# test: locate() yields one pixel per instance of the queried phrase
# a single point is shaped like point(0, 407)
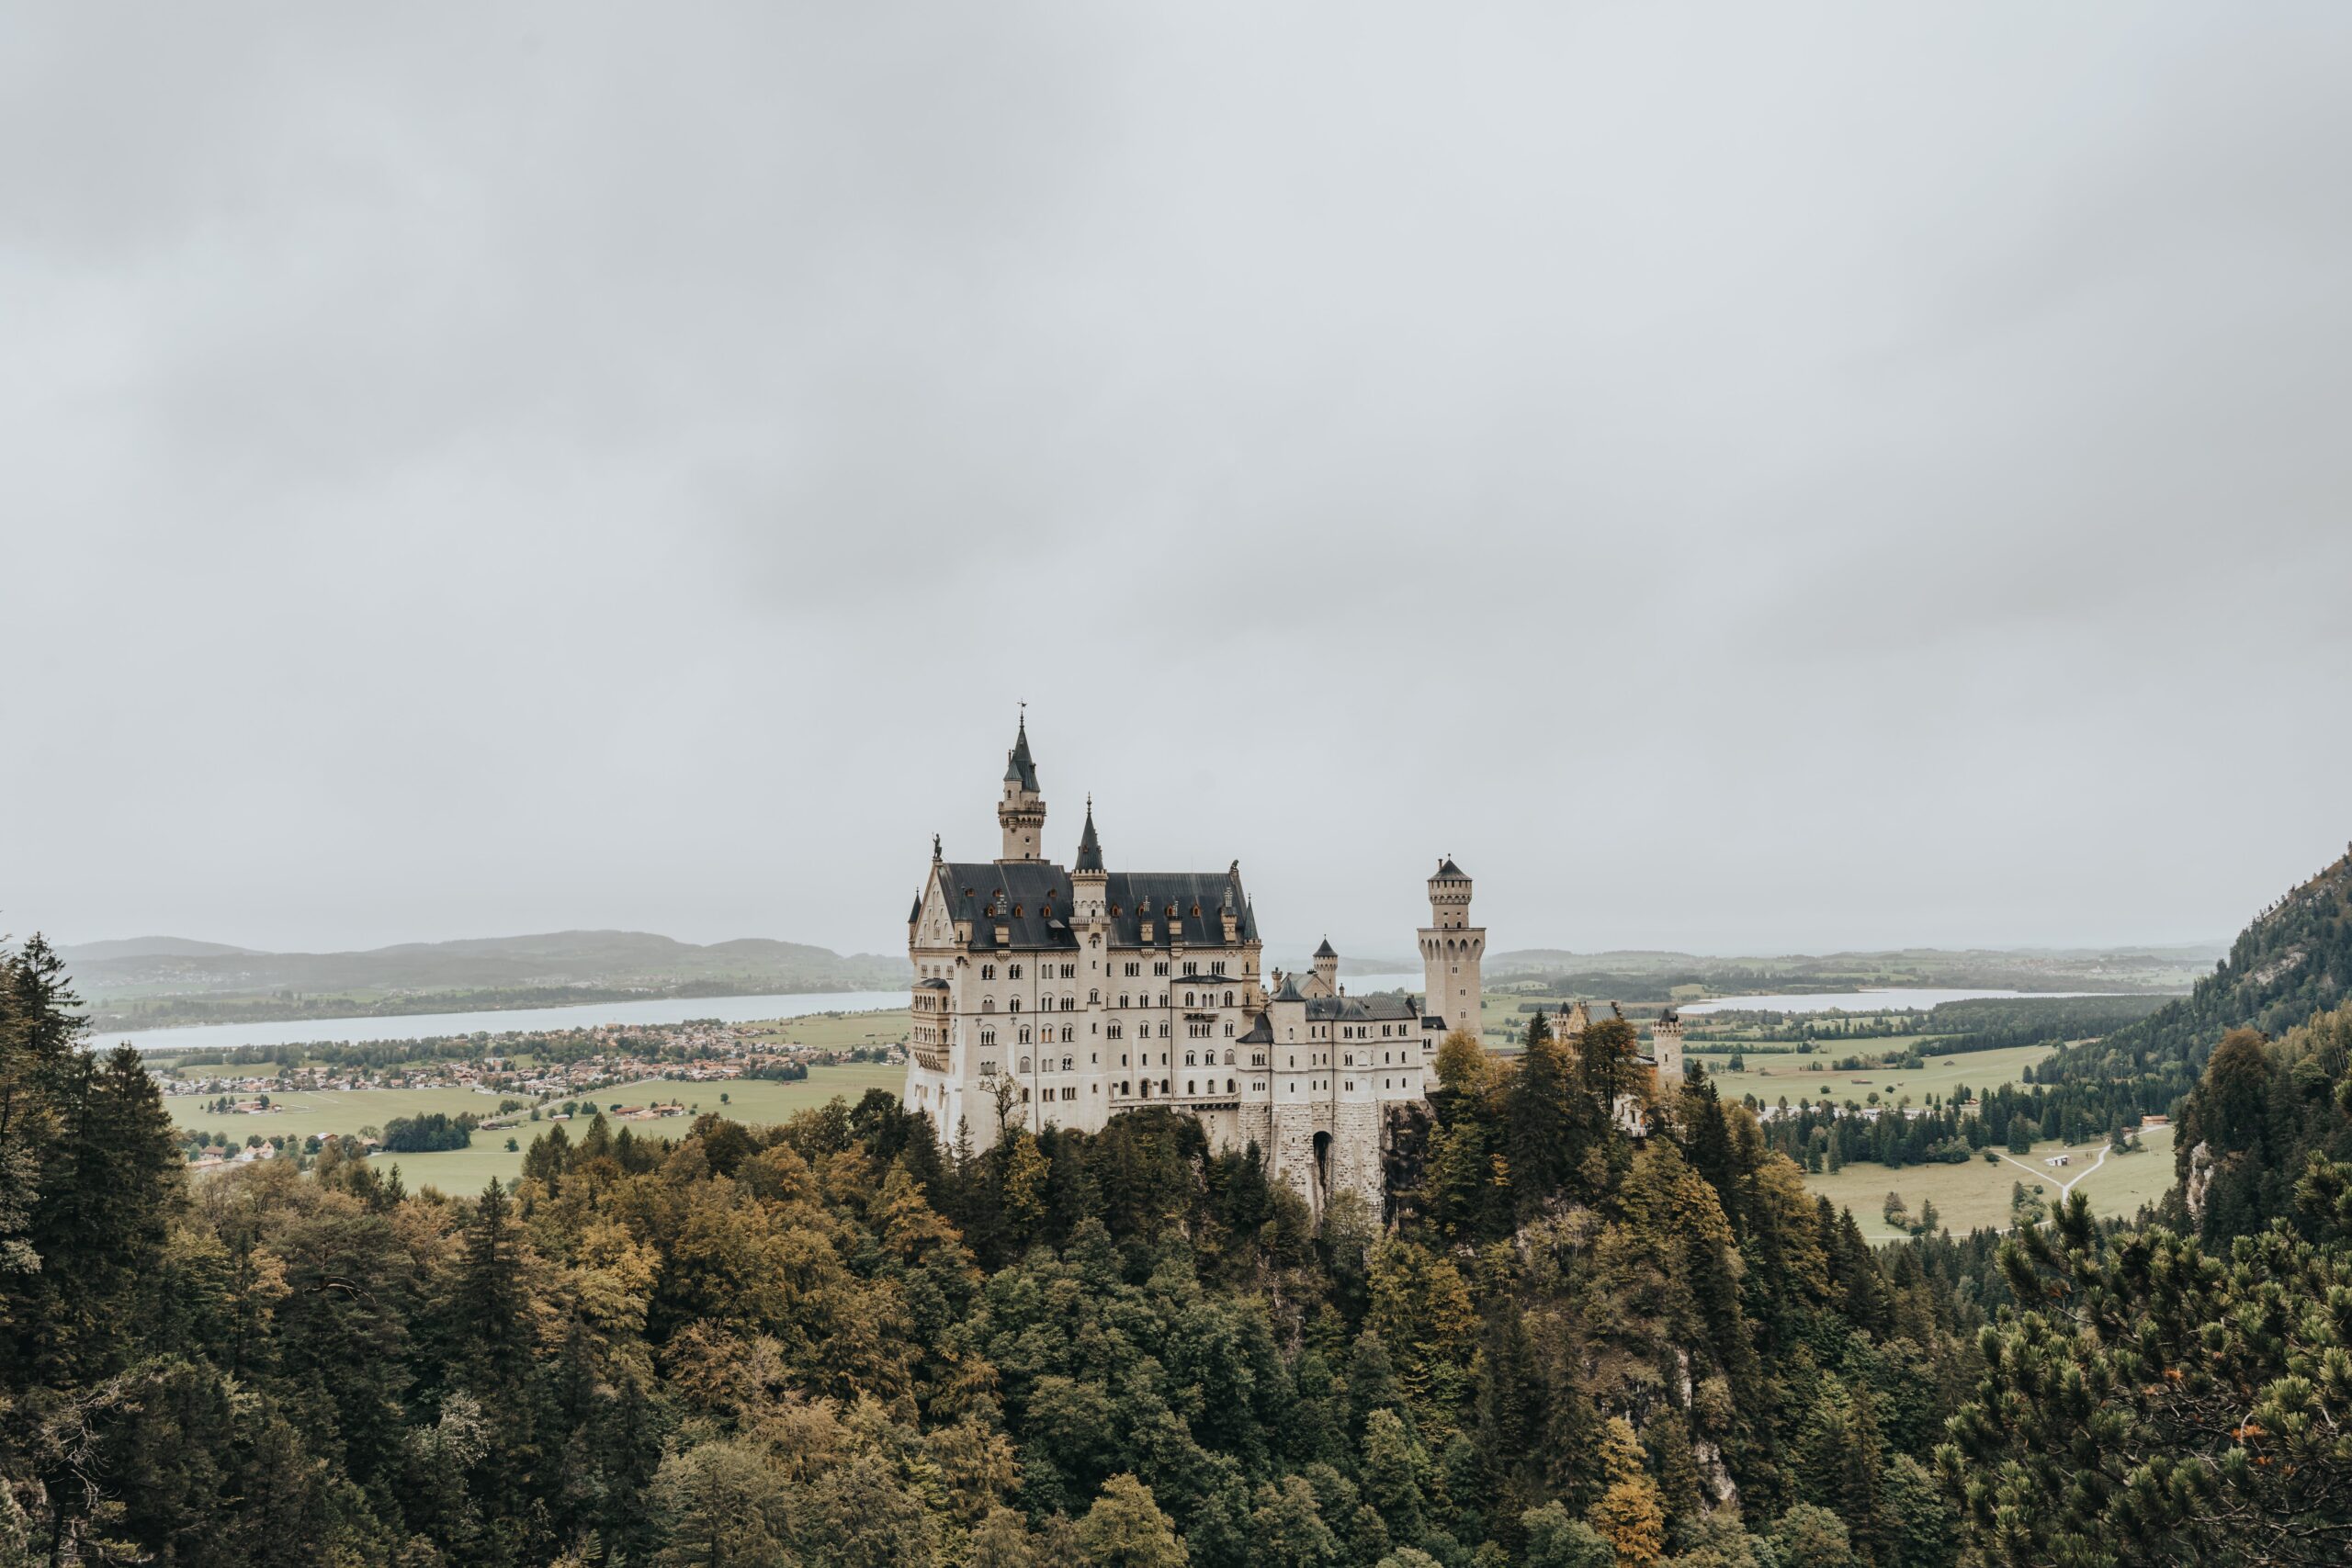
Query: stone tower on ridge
point(1451, 948)
point(1021, 812)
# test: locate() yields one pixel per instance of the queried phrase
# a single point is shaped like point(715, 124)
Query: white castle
point(1054, 997)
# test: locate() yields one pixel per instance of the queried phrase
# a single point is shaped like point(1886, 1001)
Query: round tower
point(1451, 948)
point(1327, 968)
point(1021, 812)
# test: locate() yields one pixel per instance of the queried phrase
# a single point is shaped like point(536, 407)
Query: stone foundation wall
point(1356, 1151)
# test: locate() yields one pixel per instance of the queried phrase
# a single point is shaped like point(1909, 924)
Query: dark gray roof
point(1031, 898)
point(1433, 1023)
point(1289, 993)
point(1018, 768)
point(1326, 949)
point(932, 984)
point(1384, 1008)
point(1260, 1033)
point(1089, 848)
point(1198, 898)
point(916, 913)
point(1450, 869)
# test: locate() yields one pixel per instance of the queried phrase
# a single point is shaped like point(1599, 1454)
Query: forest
point(1572, 1340)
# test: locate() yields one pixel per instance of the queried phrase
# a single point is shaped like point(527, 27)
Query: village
point(552, 1076)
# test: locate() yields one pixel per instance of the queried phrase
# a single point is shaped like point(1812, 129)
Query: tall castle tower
point(1451, 950)
point(1021, 812)
point(1666, 1045)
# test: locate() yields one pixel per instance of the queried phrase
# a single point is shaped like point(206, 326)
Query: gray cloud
point(1824, 476)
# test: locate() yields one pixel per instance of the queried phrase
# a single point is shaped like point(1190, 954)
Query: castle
point(1044, 996)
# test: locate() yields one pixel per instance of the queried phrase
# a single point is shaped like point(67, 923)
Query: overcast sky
point(1740, 479)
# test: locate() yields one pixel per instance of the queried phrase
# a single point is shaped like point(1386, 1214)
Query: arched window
point(1228, 1086)
point(1025, 1063)
point(1190, 1088)
point(1228, 1057)
point(988, 1004)
point(1228, 999)
point(988, 971)
point(1015, 1005)
point(1012, 971)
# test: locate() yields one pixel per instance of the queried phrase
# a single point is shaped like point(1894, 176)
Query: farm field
point(758, 1101)
point(838, 1031)
point(1767, 1077)
point(1976, 1195)
point(331, 1110)
point(755, 1102)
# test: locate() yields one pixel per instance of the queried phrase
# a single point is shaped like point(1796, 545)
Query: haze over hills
point(147, 947)
point(154, 981)
point(157, 981)
point(1657, 976)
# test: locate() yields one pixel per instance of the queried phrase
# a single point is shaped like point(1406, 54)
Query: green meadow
point(1975, 1195)
point(1769, 1078)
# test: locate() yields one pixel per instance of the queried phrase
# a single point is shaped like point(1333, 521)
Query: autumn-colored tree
point(1628, 1514)
point(1463, 1065)
point(1026, 1175)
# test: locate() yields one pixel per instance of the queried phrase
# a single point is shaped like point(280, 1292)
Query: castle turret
point(1327, 968)
point(1088, 883)
point(1021, 812)
point(1452, 950)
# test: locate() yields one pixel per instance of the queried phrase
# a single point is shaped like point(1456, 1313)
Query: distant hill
point(1637, 975)
point(2293, 961)
point(147, 947)
point(155, 981)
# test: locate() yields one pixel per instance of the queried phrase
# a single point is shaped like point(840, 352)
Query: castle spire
point(1089, 848)
point(1018, 767)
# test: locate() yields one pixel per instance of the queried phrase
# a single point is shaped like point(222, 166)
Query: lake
point(1894, 999)
point(417, 1025)
point(666, 1010)
point(745, 1010)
